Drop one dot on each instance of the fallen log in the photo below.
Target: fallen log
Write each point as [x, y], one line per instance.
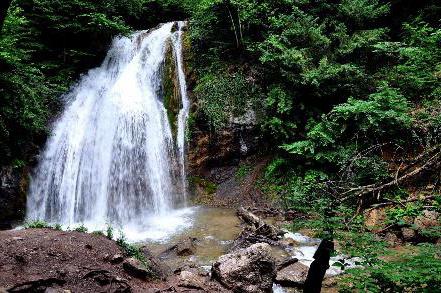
[258, 226]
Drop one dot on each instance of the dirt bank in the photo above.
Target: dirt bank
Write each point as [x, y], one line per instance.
[38, 260]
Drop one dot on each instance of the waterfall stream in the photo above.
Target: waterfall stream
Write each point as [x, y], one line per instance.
[112, 157]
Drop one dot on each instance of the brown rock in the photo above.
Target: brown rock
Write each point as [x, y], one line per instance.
[117, 258]
[158, 267]
[375, 218]
[136, 269]
[426, 220]
[186, 247]
[293, 275]
[288, 242]
[191, 280]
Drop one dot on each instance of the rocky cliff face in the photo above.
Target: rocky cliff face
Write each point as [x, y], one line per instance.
[13, 188]
[215, 157]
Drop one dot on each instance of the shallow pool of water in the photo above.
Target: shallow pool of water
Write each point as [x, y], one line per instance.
[214, 230]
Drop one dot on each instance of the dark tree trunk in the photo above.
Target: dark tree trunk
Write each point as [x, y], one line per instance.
[319, 266]
[4, 5]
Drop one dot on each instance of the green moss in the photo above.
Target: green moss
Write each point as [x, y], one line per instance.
[170, 88]
[208, 186]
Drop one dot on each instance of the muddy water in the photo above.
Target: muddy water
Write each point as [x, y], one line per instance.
[214, 230]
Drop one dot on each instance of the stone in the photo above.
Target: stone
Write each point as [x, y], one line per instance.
[191, 280]
[426, 220]
[186, 247]
[117, 258]
[286, 262]
[55, 290]
[293, 275]
[408, 234]
[250, 269]
[158, 268]
[136, 269]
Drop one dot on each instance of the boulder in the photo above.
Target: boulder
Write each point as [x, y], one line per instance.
[136, 269]
[375, 218]
[191, 280]
[158, 268]
[247, 270]
[426, 220]
[186, 247]
[293, 275]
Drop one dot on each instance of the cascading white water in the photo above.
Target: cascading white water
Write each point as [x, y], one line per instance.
[111, 157]
[183, 113]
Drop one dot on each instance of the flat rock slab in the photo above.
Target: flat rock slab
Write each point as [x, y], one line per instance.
[293, 275]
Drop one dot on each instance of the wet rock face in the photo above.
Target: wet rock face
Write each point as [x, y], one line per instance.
[224, 148]
[13, 186]
[247, 270]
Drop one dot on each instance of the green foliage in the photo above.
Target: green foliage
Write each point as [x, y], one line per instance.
[37, 224]
[222, 97]
[109, 232]
[208, 186]
[401, 215]
[412, 272]
[98, 233]
[81, 228]
[131, 250]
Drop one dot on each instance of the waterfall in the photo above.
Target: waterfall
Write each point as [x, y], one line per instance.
[183, 113]
[112, 156]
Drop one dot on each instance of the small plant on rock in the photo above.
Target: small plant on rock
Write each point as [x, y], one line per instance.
[131, 250]
[81, 228]
[37, 224]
